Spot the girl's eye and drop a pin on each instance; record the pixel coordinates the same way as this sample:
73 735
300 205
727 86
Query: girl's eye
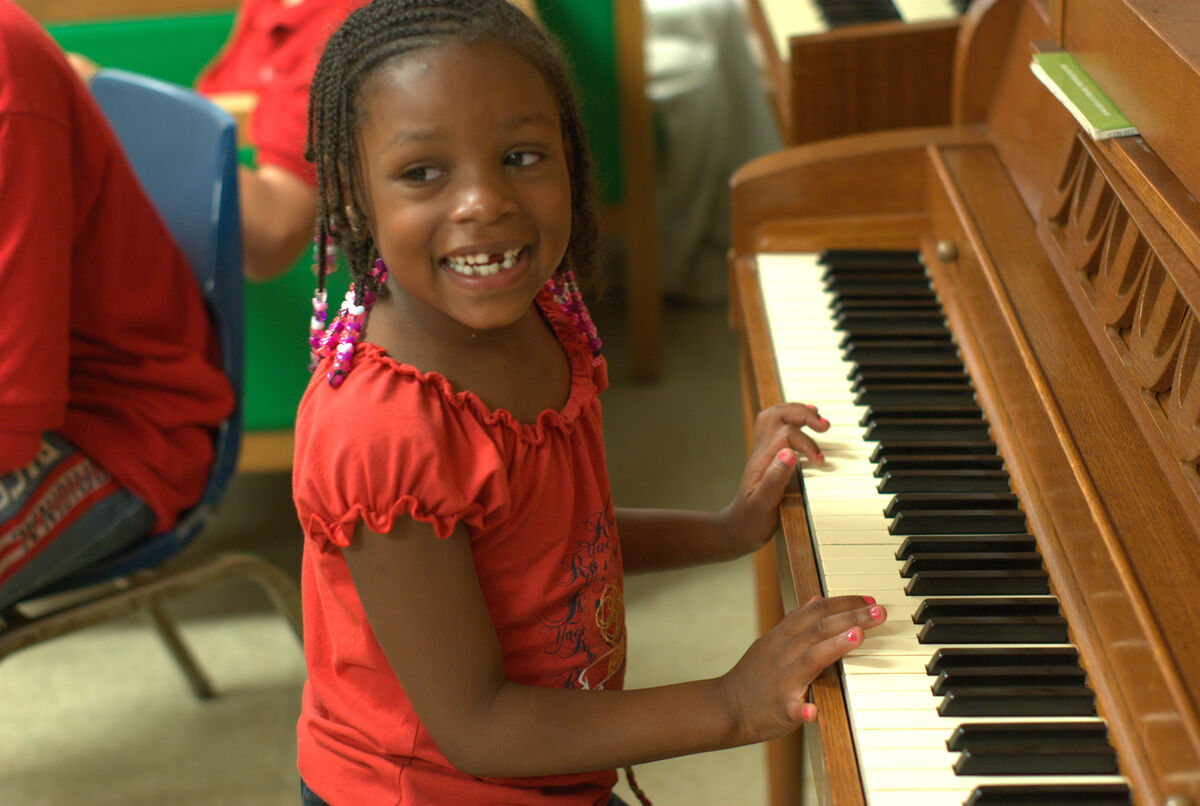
421 174
523 159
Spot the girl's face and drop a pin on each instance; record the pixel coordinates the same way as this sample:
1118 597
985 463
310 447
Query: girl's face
467 191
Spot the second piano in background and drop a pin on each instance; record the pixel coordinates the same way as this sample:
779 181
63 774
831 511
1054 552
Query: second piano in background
820 53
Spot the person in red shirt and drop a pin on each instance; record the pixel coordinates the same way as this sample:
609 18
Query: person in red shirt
269 58
109 383
463 558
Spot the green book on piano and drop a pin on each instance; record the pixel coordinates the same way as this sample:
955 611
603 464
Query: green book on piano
1086 102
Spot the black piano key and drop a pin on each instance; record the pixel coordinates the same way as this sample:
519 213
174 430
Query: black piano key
968 447
965 521
993 677
879 337
994 630
937 462
886 378
884 262
1019 701
885 429
978 606
914 292
853 12
1010 735
926 502
916 395
942 411
896 320
834 258
1050 795
850 306
880 283
1065 758
931 481
908 353
960 657
911 362
971 561
831 274
925 544
982 583
898 339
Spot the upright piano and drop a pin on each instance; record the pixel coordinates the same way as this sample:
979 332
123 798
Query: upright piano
1001 319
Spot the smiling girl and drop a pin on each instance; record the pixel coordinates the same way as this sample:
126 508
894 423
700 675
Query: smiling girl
463 560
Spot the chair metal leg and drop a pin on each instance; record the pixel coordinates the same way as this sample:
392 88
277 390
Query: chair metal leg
278 586
201 686
147 590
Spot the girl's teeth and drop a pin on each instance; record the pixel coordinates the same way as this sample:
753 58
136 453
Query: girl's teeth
483 264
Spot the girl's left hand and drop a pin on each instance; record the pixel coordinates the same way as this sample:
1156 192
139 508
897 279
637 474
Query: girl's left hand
751 518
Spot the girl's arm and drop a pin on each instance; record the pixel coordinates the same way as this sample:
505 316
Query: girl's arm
425 607
657 539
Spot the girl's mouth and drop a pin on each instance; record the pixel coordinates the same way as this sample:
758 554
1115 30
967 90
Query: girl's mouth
483 264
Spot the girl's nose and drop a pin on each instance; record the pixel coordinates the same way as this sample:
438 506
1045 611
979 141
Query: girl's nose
482 199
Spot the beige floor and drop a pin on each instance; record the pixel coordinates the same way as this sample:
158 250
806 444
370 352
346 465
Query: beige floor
102 717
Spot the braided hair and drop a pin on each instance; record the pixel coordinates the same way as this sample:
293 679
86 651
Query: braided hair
384 30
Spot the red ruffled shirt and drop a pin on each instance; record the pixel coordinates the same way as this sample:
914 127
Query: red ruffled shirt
273 52
535 500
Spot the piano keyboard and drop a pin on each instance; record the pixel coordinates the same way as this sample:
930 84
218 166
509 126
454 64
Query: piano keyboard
788 18
970 693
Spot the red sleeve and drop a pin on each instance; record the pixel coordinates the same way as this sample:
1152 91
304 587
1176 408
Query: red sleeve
35 254
390 442
274 54
278 126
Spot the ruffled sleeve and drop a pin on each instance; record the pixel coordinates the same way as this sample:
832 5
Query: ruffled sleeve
391 442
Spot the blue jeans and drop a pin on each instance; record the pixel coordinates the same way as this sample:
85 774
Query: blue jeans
60 514
310 798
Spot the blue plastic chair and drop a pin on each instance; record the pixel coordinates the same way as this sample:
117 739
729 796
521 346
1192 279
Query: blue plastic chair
183 149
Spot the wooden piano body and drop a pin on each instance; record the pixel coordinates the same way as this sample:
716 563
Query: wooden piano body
1069 271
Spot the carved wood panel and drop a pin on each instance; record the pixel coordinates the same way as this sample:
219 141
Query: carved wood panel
1148 321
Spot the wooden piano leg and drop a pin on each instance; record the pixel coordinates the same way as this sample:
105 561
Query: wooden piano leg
785 756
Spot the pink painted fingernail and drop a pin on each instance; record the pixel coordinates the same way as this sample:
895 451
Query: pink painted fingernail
809 712
787 457
869 599
824 421
811 407
875 612
852 636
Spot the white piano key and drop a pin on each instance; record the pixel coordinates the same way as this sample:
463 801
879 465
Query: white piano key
897 682
864 550
925 10
937 778
882 564
835 522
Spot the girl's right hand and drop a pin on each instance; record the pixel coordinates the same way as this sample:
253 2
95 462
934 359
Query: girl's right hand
767 690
